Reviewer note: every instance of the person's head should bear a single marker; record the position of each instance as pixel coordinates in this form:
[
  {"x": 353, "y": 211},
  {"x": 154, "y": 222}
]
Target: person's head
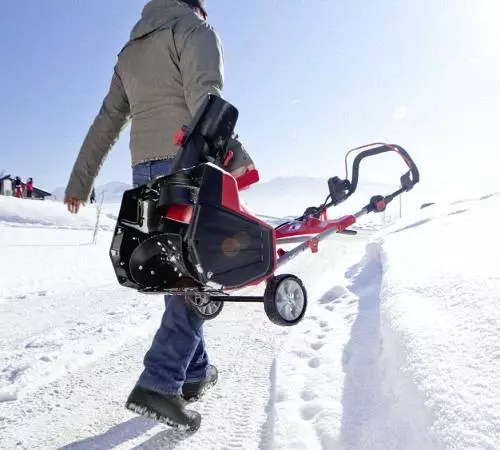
[{"x": 199, "y": 7}]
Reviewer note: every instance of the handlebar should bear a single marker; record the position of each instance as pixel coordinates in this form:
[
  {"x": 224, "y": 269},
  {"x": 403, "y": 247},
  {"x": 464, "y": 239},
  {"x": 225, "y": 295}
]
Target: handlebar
[
  {"x": 340, "y": 190},
  {"x": 408, "y": 180}
]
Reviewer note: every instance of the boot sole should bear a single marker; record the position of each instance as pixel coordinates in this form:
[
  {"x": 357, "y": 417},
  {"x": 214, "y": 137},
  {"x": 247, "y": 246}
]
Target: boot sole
[{"x": 146, "y": 412}]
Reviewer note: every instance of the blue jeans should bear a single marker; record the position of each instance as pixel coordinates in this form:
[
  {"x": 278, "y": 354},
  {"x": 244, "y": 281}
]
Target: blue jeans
[{"x": 177, "y": 353}]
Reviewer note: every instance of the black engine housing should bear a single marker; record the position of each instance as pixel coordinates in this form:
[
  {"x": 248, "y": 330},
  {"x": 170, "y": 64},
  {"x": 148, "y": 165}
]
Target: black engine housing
[{"x": 219, "y": 245}]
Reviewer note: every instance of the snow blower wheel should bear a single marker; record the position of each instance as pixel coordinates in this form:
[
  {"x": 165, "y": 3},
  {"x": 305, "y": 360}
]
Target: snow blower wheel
[
  {"x": 285, "y": 300},
  {"x": 204, "y": 307}
]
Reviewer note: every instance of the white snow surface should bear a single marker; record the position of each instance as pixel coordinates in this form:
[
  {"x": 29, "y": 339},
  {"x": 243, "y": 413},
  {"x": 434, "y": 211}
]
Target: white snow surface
[
  {"x": 400, "y": 347},
  {"x": 26, "y": 213}
]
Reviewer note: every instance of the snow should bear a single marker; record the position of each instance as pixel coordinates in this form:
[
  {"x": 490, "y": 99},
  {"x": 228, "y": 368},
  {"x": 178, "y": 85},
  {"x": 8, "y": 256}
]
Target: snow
[
  {"x": 48, "y": 214},
  {"x": 399, "y": 349}
]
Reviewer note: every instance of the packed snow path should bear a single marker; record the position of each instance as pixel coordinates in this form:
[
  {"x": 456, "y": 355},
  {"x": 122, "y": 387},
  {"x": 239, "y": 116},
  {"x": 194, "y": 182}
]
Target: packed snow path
[
  {"x": 73, "y": 353},
  {"x": 399, "y": 349}
]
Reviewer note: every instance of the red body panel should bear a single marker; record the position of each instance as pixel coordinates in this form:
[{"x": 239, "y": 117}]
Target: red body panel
[
  {"x": 180, "y": 213},
  {"x": 313, "y": 226},
  {"x": 247, "y": 179}
]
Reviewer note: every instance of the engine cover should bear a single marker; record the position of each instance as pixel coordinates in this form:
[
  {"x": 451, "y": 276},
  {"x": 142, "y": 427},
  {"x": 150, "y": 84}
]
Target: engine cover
[{"x": 227, "y": 245}]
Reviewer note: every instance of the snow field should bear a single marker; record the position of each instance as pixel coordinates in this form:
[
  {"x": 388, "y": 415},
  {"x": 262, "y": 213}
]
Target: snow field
[{"x": 399, "y": 348}]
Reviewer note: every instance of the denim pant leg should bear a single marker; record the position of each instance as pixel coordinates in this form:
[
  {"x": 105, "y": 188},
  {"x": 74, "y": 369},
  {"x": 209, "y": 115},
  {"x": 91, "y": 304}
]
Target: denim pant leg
[
  {"x": 175, "y": 345},
  {"x": 178, "y": 349},
  {"x": 199, "y": 365}
]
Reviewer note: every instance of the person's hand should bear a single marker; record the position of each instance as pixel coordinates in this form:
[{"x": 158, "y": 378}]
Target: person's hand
[{"x": 73, "y": 204}]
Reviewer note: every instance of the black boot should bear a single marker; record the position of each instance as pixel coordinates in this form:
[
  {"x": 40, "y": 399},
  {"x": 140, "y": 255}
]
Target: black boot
[
  {"x": 194, "y": 391},
  {"x": 167, "y": 409}
]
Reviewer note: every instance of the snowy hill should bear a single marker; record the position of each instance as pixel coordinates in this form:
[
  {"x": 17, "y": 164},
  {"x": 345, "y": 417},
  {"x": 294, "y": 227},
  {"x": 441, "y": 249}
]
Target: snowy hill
[
  {"x": 284, "y": 195},
  {"x": 292, "y": 195},
  {"x": 399, "y": 349},
  {"x": 23, "y": 213}
]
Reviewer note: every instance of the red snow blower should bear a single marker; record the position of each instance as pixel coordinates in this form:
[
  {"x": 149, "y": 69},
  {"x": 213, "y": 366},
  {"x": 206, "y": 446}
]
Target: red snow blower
[{"x": 187, "y": 232}]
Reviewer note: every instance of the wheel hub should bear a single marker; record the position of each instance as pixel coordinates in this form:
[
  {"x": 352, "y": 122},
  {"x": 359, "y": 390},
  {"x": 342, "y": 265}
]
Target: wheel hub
[
  {"x": 290, "y": 299},
  {"x": 205, "y": 305}
]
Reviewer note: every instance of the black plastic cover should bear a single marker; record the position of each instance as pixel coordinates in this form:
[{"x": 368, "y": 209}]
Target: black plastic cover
[{"x": 229, "y": 248}]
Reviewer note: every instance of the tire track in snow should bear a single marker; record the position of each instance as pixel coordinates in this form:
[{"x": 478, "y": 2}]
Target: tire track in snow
[
  {"x": 57, "y": 343},
  {"x": 86, "y": 406}
]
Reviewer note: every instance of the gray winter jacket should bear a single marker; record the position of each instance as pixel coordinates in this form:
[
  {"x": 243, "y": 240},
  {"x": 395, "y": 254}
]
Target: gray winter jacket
[{"x": 172, "y": 61}]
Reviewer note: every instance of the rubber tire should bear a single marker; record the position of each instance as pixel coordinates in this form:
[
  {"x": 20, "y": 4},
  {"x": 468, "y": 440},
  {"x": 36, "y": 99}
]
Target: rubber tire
[
  {"x": 270, "y": 301},
  {"x": 195, "y": 310}
]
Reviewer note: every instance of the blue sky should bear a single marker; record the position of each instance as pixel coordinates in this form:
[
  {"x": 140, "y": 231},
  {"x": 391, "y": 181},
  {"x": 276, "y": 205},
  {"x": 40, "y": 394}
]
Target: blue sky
[{"x": 311, "y": 79}]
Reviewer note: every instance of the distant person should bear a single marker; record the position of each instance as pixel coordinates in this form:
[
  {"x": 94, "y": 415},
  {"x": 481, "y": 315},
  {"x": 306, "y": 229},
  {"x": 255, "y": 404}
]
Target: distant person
[
  {"x": 92, "y": 196},
  {"x": 29, "y": 188},
  {"x": 171, "y": 63},
  {"x": 18, "y": 187}
]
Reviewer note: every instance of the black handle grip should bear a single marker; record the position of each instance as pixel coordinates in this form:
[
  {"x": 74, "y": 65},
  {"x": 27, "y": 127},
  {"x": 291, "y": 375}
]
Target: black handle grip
[{"x": 408, "y": 180}]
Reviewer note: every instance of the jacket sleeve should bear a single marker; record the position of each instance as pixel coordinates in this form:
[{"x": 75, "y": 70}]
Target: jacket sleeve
[
  {"x": 202, "y": 71},
  {"x": 201, "y": 65},
  {"x": 102, "y": 135}
]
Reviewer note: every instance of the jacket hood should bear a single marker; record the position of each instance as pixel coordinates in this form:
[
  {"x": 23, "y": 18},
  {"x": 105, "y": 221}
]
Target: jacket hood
[{"x": 158, "y": 13}]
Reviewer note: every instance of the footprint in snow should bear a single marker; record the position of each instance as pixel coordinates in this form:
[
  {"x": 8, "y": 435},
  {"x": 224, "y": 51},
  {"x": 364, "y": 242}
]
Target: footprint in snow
[
  {"x": 309, "y": 412},
  {"x": 317, "y": 345},
  {"x": 325, "y": 325},
  {"x": 314, "y": 363},
  {"x": 321, "y": 336},
  {"x": 334, "y": 295},
  {"x": 350, "y": 316},
  {"x": 308, "y": 395},
  {"x": 302, "y": 354}
]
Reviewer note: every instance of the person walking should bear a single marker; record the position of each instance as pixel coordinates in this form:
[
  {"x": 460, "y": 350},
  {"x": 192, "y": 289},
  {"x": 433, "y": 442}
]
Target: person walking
[{"x": 172, "y": 62}]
